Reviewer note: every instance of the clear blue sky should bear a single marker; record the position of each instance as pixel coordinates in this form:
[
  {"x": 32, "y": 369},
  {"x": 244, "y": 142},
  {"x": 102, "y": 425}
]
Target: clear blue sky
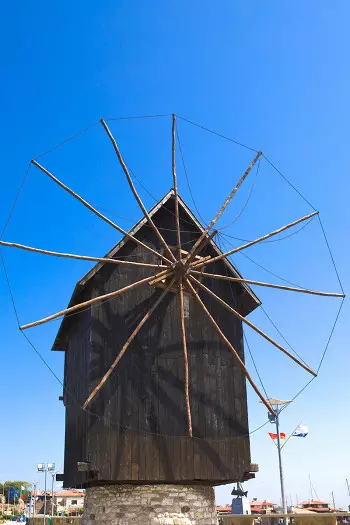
[{"x": 272, "y": 75}]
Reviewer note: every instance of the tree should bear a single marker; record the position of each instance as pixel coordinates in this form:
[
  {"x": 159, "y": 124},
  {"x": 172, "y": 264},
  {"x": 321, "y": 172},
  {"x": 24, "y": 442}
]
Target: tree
[{"x": 17, "y": 485}]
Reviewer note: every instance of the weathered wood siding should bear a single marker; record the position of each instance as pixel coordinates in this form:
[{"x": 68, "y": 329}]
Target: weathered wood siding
[{"x": 139, "y": 432}]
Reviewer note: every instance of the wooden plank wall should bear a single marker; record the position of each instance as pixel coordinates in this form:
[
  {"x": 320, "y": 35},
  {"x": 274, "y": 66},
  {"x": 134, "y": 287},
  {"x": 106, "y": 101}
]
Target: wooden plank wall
[
  {"x": 77, "y": 366},
  {"x": 141, "y": 434}
]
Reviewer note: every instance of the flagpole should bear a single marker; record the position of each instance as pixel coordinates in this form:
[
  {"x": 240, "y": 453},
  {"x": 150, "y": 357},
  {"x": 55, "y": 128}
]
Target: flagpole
[
  {"x": 284, "y": 506},
  {"x": 290, "y": 435}
]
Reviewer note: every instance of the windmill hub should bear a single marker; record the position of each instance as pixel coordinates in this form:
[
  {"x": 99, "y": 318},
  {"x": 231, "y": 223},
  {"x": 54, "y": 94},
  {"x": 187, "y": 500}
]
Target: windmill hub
[{"x": 181, "y": 269}]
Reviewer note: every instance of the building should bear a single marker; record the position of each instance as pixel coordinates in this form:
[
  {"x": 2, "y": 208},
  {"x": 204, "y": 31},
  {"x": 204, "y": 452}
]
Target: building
[
  {"x": 222, "y": 510},
  {"x": 262, "y": 507},
  {"x": 316, "y": 506},
  {"x": 135, "y": 433},
  {"x": 69, "y": 501}
]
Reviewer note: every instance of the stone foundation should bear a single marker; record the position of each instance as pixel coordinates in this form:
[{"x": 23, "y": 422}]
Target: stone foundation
[{"x": 149, "y": 505}]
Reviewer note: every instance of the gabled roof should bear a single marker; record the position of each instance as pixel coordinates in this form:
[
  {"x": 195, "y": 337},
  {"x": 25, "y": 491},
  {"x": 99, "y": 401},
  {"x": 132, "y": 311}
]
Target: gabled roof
[{"x": 142, "y": 222}]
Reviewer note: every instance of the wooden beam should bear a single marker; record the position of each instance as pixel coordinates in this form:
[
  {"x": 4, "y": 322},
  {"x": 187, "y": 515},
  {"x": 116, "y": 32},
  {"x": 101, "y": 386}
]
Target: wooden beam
[
  {"x": 127, "y": 344},
  {"x": 133, "y": 189},
  {"x": 177, "y": 218},
  {"x": 263, "y": 238},
  {"x": 231, "y": 348},
  {"x": 162, "y": 278},
  {"x": 224, "y": 206},
  {"x": 88, "y": 303},
  {"x": 268, "y": 285},
  {"x": 199, "y": 248},
  {"x": 80, "y": 257},
  {"x": 244, "y": 320},
  {"x": 184, "y": 344},
  {"x": 103, "y": 217}
]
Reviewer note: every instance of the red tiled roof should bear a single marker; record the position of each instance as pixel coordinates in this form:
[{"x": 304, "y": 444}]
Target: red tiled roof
[
  {"x": 262, "y": 503},
  {"x": 317, "y": 509},
  {"x": 41, "y": 493},
  {"x": 314, "y": 502},
  {"x": 226, "y": 508},
  {"x": 70, "y": 493}
]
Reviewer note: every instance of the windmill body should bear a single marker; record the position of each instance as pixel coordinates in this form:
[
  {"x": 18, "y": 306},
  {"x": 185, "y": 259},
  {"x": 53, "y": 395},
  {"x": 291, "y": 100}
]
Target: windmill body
[{"x": 135, "y": 429}]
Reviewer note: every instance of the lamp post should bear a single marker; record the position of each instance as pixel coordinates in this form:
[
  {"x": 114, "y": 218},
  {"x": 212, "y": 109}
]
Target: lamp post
[
  {"x": 43, "y": 467},
  {"x": 32, "y": 500},
  {"x": 278, "y": 405},
  {"x": 51, "y": 468}
]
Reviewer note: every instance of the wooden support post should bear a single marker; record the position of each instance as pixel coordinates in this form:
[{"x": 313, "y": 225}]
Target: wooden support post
[
  {"x": 184, "y": 344},
  {"x": 89, "y": 302},
  {"x": 177, "y": 218},
  {"x": 231, "y": 348},
  {"x": 268, "y": 285},
  {"x": 224, "y": 206},
  {"x": 127, "y": 344},
  {"x": 80, "y": 257},
  {"x": 244, "y": 320},
  {"x": 91, "y": 208},
  {"x": 263, "y": 238},
  {"x": 133, "y": 189}
]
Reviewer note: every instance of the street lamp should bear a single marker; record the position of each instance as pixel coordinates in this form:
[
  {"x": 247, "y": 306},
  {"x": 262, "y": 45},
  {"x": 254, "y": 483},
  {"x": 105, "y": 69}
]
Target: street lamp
[
  {"x": 43, "y": 467},
  {"x": 51, "y": 469},
  {"x": 32, "y": 499},
  {"x": 278, "y": 405}
]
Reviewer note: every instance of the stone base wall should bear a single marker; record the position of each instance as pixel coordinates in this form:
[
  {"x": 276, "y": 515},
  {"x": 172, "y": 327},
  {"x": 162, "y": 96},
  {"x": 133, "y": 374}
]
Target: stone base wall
[{"x": 149, "y": 505}]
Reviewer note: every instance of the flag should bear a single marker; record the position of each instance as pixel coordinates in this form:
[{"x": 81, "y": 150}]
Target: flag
[
  {"x": 23, "y": 492},
  {"x": 274, "y": 436},
  {"x": 301, "y": 431}
]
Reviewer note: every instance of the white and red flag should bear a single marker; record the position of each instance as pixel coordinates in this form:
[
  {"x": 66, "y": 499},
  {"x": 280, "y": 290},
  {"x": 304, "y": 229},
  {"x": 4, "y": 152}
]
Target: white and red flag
[{"x": 274, "y": 436}]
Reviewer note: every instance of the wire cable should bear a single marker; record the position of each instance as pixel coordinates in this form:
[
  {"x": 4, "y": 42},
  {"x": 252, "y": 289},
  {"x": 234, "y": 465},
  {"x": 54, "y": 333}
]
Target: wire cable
[
  {"x": 288, "y": 182},
  {"x": 68, "y": 139},
  {"x": 243, "y": 254},
  {"x": 139, "y": 117},
  {"x": 245, "y": 338},
  {"x": 272, "y": 240},
  {"x": 187, "y": 178},
  {"x": 246, "y": 203},
  {"x": 218, "y": 134},
  {"x": 331, "y": 334},
  {"x": 25, "y": 176},
  {"x": 253, "y": 361},
  {"x": 331, "y": 255},
  {"x": 280, "y": 333}
]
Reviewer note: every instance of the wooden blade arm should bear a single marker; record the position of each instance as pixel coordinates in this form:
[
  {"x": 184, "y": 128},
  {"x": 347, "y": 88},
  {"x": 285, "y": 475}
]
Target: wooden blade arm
[
  {"x": 231, "y": 348},
  {"x": 200, "y": 248},
  {"x": 103, "y": 217},
  {"x": 177, "y": 217},
  {"x": 80, "y": 257},
  {"x": 127, "y": 344},
  {"x": 184, "y": 344},
  {"x": 268, "y": 285},
  {"x": 224, "y": 206},
  {"x": 133, "y": 189},
  {"x": 263, "y": 238},
  {"x": 244, "y": 320},
  {"x": 89, "y": 302}
]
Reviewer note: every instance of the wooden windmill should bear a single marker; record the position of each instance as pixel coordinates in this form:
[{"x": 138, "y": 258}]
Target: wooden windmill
[{"x": 155, "y": 375}]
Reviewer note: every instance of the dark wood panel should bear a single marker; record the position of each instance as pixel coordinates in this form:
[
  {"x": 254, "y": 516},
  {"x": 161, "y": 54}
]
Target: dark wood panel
[{"x": 140, "y": 431}]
